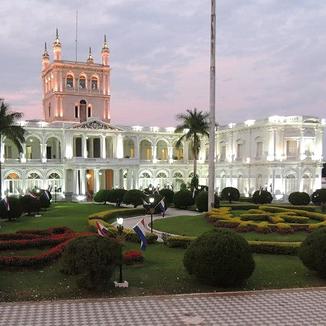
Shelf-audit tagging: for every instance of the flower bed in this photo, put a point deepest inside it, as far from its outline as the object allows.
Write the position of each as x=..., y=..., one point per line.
x=57, y=238
x=132, y=257
x=267, y=219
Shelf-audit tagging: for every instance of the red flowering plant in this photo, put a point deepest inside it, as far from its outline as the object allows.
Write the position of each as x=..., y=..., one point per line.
x=56, y=238
x=131, y=257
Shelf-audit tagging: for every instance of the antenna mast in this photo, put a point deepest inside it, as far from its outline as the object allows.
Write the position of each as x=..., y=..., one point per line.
x=76, y=40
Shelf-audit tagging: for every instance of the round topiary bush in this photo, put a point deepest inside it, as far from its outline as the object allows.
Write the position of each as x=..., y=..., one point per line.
x=230, y=194
x=93, y=258
x=30, y=204
x=312, y=251
x=319, y=197
x=299, y=198
x=168, y=195
x=45, y=199
x=101, y=196
x=219, y=257
x=201, y=201
x=262, y=197
x=116, y=196
x=133, y=197
x=15, y=208
x=183, y=199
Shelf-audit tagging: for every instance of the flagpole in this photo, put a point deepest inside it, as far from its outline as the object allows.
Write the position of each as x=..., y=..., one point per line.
x=211, y=158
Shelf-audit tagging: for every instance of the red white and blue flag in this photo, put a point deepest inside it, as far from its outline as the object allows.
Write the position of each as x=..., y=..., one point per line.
x=6, y=203
x=140, y=230
x=161, y=205
x=102, y=230
x=46, y=194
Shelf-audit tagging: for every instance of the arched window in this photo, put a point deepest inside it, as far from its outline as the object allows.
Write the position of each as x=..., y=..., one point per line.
x=34, y=181
x=161, y=175
x=177, y=175
x=94, y=83
x=145, y=175
x=12, y=184
x=82, y=82
x=70, y=81
x=54, y=182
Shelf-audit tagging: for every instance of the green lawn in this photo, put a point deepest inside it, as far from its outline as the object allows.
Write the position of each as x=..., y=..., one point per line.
x=192, y=225
x=196, y=225
x=71, y=215
x=162, y=273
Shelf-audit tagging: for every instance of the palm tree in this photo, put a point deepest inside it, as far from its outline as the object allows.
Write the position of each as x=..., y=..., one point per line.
x=197, y=126
x=10, y=130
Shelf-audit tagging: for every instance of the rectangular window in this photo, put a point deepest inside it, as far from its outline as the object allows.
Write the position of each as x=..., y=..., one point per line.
x=78, y=148
x=89, y=111
x=223, y=153
x=76, y=112
x=291, y=148
x=259, y=150
x=8, y=152
x=29, y=152
x=239, y=151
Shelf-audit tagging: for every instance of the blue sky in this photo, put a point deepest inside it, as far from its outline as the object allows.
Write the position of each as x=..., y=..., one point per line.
x=271, y=55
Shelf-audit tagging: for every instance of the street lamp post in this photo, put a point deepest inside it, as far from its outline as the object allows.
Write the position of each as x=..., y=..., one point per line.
x=211, y=163
x=151, y=210
x=120, y=230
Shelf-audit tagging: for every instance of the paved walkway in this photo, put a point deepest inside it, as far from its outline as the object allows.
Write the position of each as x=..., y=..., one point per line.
x=130, y=222
x=282, y=307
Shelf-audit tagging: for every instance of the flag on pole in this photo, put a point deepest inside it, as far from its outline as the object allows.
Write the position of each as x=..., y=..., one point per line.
x=140, y=230
x=102, y=230
x=6, y=203
x=46, y=194
x=161, y=205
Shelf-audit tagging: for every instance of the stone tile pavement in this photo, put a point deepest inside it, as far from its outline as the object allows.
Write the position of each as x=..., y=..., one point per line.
x=279, y=307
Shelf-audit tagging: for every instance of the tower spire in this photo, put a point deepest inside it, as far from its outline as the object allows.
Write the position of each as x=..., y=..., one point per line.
x=90, y=58
x=57, y=40
x=45, y=53
x=105, y=44
x=57, y=46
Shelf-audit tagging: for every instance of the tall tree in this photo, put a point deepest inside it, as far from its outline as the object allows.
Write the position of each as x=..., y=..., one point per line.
x=197, y=126
x=9, y=129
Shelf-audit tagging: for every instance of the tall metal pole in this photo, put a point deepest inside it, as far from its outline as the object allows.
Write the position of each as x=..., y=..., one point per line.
x=211, y=158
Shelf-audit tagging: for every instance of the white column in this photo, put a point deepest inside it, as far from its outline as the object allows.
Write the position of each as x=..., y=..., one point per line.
x=136, y=144
x=43, y=152
x=84, y=146
x=119, y=146
x=271, y=144
x=154, y=156
x=83, y=181
x=302, y=147
x=2, y=157
x=170, y=154
x=96, y=180
x=103, y=147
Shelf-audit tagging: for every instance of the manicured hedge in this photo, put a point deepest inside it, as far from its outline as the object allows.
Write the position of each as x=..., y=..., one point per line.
x=261, y=247
x=230, y=194
x=299, y=198
x=109, y=215
x=262, y=197
x=183, y=199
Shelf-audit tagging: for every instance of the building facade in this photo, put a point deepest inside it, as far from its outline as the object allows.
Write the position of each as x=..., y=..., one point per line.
x=75, y=150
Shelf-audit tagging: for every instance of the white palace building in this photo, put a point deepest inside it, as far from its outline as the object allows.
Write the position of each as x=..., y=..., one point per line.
x=77, y=151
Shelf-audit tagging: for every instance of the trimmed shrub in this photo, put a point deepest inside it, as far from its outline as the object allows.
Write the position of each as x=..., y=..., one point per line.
x=276, y=248
x=31, y=205
x=201, y=201
x=219, y=257
x=230, y=194
x=294, y=218
x=254, y=217
x=183, y=199
x=45, y=199
x=299, y=198
x=262, y=197
x=133, y=197
x=319, y=197
x=101, y=196
x=168, y=195
x=312, y=251
x=110, y=215
x=93, y=258
x=178, y=241
x=16, y=209
x=116, y=196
